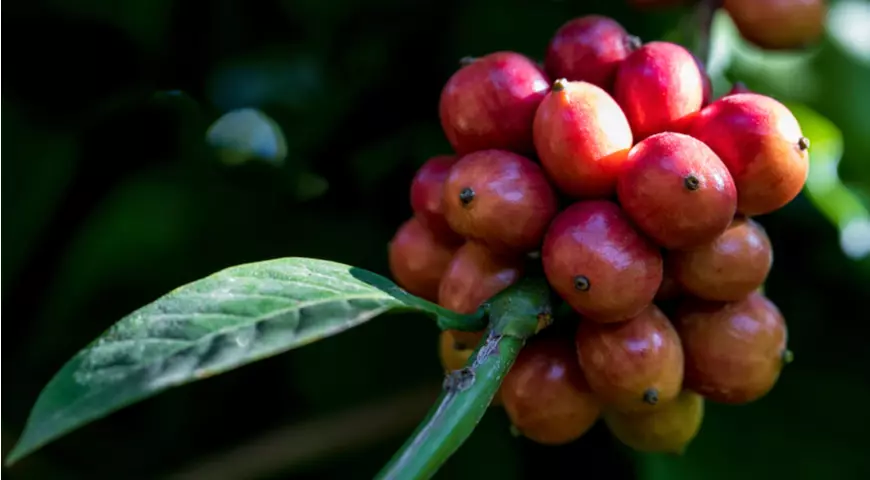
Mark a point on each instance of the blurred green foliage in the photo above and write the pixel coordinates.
(112, 198)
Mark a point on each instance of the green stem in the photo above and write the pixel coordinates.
(514, 315)
(466, 395)
(449, 320)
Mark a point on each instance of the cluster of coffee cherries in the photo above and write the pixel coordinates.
(611, 169)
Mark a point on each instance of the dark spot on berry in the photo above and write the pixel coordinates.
(560, 84)
(787, 357)
(692, 182)
(651, 396)
(466, 196)
(581, 283)
(633, 42)
(804, 143)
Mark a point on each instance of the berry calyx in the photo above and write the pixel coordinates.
(759, 140)
(728, 268)
(418, 259)
(426, 190)
(734, 351)
(599, 264)
(635, 365)
(490, 102)
(589, 49)
(677, 191)
(545, 394)
(659, 86)
(582, 139)
(669, 429)
(499, 198)
(778, 24)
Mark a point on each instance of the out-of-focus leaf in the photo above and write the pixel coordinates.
(229, 319)
(247, 134)
(147, 22)
(825, 189)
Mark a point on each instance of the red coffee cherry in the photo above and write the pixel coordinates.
(677, 191)
(426, 189)
(490, 103)
(730, 267)
(761, 143)
(734, 351)
(545, 394)
(669, 429)
(589, 49)
(582, 139)
(658, 86)
(778, 24)
(635, 365)
(499, 198)
(474, 276)
(599, 264)
(418, 260)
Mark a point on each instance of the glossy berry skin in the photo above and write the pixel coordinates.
(728, 268)
(491, 102)
(761, 143)
(734, 351)
(418, 259)
(582, 138)
(589, 49)
(707, 82)
(599, 264)
(426, 189)
(778, 24)
(659, 87)
(475, 275)
(669, 429)
(499, 198)
(635, 365)
(677, 191)
(545, 394)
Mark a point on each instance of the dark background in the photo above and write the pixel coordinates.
(112, 198)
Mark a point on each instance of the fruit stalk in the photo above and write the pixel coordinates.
(515, 314)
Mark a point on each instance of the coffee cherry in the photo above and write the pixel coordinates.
(669, 429)
(418, 260)
(761, 143)
(474, 276)
(426, 189)
(545, 395)
(490, 103)
(734, 351)
(635, 365)
(589, 49)
(677, 191)
(499, 198)
(658, 86)
(728, 268)
(582, 139)
(670, 289)
(778, 24)
(599, 264)
(738, 87)
(453, 355)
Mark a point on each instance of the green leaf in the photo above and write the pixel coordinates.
(226, 320)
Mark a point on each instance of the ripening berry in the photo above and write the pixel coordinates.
(490, 103)
(452, 354)
(635, 365)
(761, 143)
(418, 259)
(589, 49)
(599, 264)
(669, 429)
(545, 395)
(778, 24)
(499, 198)
(728, 268)
(426, 189)
(582, 138)
(677, 191)
(658, 86)
(474, 275)
(734, 351)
